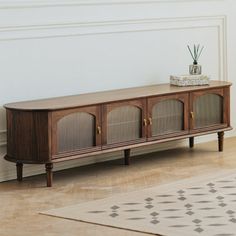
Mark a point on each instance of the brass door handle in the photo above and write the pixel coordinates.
(150, 121)
(192, 115)
(99, 130)
(145, 122)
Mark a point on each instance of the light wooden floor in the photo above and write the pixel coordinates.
(21, 202)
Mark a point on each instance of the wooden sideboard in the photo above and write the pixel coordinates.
(52, 130)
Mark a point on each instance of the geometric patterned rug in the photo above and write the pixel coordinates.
(204, 206)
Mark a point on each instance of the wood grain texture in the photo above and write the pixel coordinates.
(221, 141)
(127, 157)
(226, 112)
(19, 171)
(191, 142)
(109, 96)
(68, 128)
(27, 135)
(49, 174)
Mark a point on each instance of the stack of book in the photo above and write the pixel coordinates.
(189, 80)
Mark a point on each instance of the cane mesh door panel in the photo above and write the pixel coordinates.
(208, 110)
(124, 124)
(167, 117)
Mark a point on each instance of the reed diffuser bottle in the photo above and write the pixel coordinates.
(195, 68)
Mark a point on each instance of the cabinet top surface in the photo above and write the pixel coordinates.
(108, 96)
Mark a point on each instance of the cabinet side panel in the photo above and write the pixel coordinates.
(41, 128)
(11, 145)
(27, 135)
(227, 105)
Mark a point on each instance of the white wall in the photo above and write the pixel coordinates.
(55, 48)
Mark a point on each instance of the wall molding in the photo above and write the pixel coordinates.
(13, 4)
(76, 29)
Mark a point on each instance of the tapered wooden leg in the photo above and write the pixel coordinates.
(191, 142)
(220, 141)
(19, 171)
(127, 156)
(49, 167)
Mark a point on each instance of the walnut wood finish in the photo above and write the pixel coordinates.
(29, 136)
(49, 174)
(32, 127)
(109, 96)
(127, 156)
(19, 171)
(226, 111)
(191, 142)
(221, 141)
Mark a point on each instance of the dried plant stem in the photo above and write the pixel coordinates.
(196, 52)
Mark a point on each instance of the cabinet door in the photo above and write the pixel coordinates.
(209, 109)
(168, 116)
(123, 123)
(76, 131)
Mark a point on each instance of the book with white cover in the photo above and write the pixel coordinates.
(189, 80)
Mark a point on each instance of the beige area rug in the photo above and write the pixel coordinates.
(203, 205)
